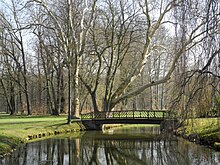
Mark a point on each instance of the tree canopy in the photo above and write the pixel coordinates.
(76, 56)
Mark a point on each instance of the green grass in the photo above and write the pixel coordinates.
(208, 129)
(18, 129)
(8, 142)
(202, 126)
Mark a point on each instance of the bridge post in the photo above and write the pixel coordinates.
(169, 124)
(91, 125)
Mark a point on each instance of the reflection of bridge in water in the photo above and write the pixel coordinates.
(122, 144)
(123, 141)
(96, 120)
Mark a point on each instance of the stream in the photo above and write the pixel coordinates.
(120, 146)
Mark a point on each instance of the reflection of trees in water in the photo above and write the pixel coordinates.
(145, 152)
(129, 152)
(95, 151)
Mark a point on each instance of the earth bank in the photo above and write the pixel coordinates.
(204, 131)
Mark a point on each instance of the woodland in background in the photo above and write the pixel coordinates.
(78, 56)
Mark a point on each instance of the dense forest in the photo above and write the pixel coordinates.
(77, 56)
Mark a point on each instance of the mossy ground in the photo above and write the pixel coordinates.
(204, 127)
(18, 129)
(208, 130)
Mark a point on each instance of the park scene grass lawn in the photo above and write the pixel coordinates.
(18, 129)
(202, 126)
(207, 129)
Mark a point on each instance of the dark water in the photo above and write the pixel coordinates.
(133, 146)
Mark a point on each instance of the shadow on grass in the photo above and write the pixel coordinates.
(55, 125)
(11, 141)
(29, 122)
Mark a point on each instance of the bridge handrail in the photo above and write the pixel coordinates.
(129, 114)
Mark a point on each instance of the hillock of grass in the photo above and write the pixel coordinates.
(204, 131)
(15, 130)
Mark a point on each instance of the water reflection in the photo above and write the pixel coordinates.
(96, 148)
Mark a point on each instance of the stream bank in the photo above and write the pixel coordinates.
(203, 131)
(15, 130)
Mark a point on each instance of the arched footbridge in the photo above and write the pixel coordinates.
(96, 120)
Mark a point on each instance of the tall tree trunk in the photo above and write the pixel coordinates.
(69, 94)
(58, 92)
(75, 94)
(94, 102)
(9, 97)
(12, 99)
(62, 99)
(25, 77)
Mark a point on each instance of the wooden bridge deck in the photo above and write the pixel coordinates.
(129, 114)
(124, 117)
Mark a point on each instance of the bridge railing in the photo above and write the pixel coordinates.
(129, 114)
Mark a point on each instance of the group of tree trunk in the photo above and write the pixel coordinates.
(75, 56)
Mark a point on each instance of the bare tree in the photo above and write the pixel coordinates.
(71, 32)
(196, 79)
(17, 51)
(114, 36)
(119, 51)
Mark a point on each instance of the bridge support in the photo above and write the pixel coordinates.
(91, 125)
(169, 124)
(165, 125)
